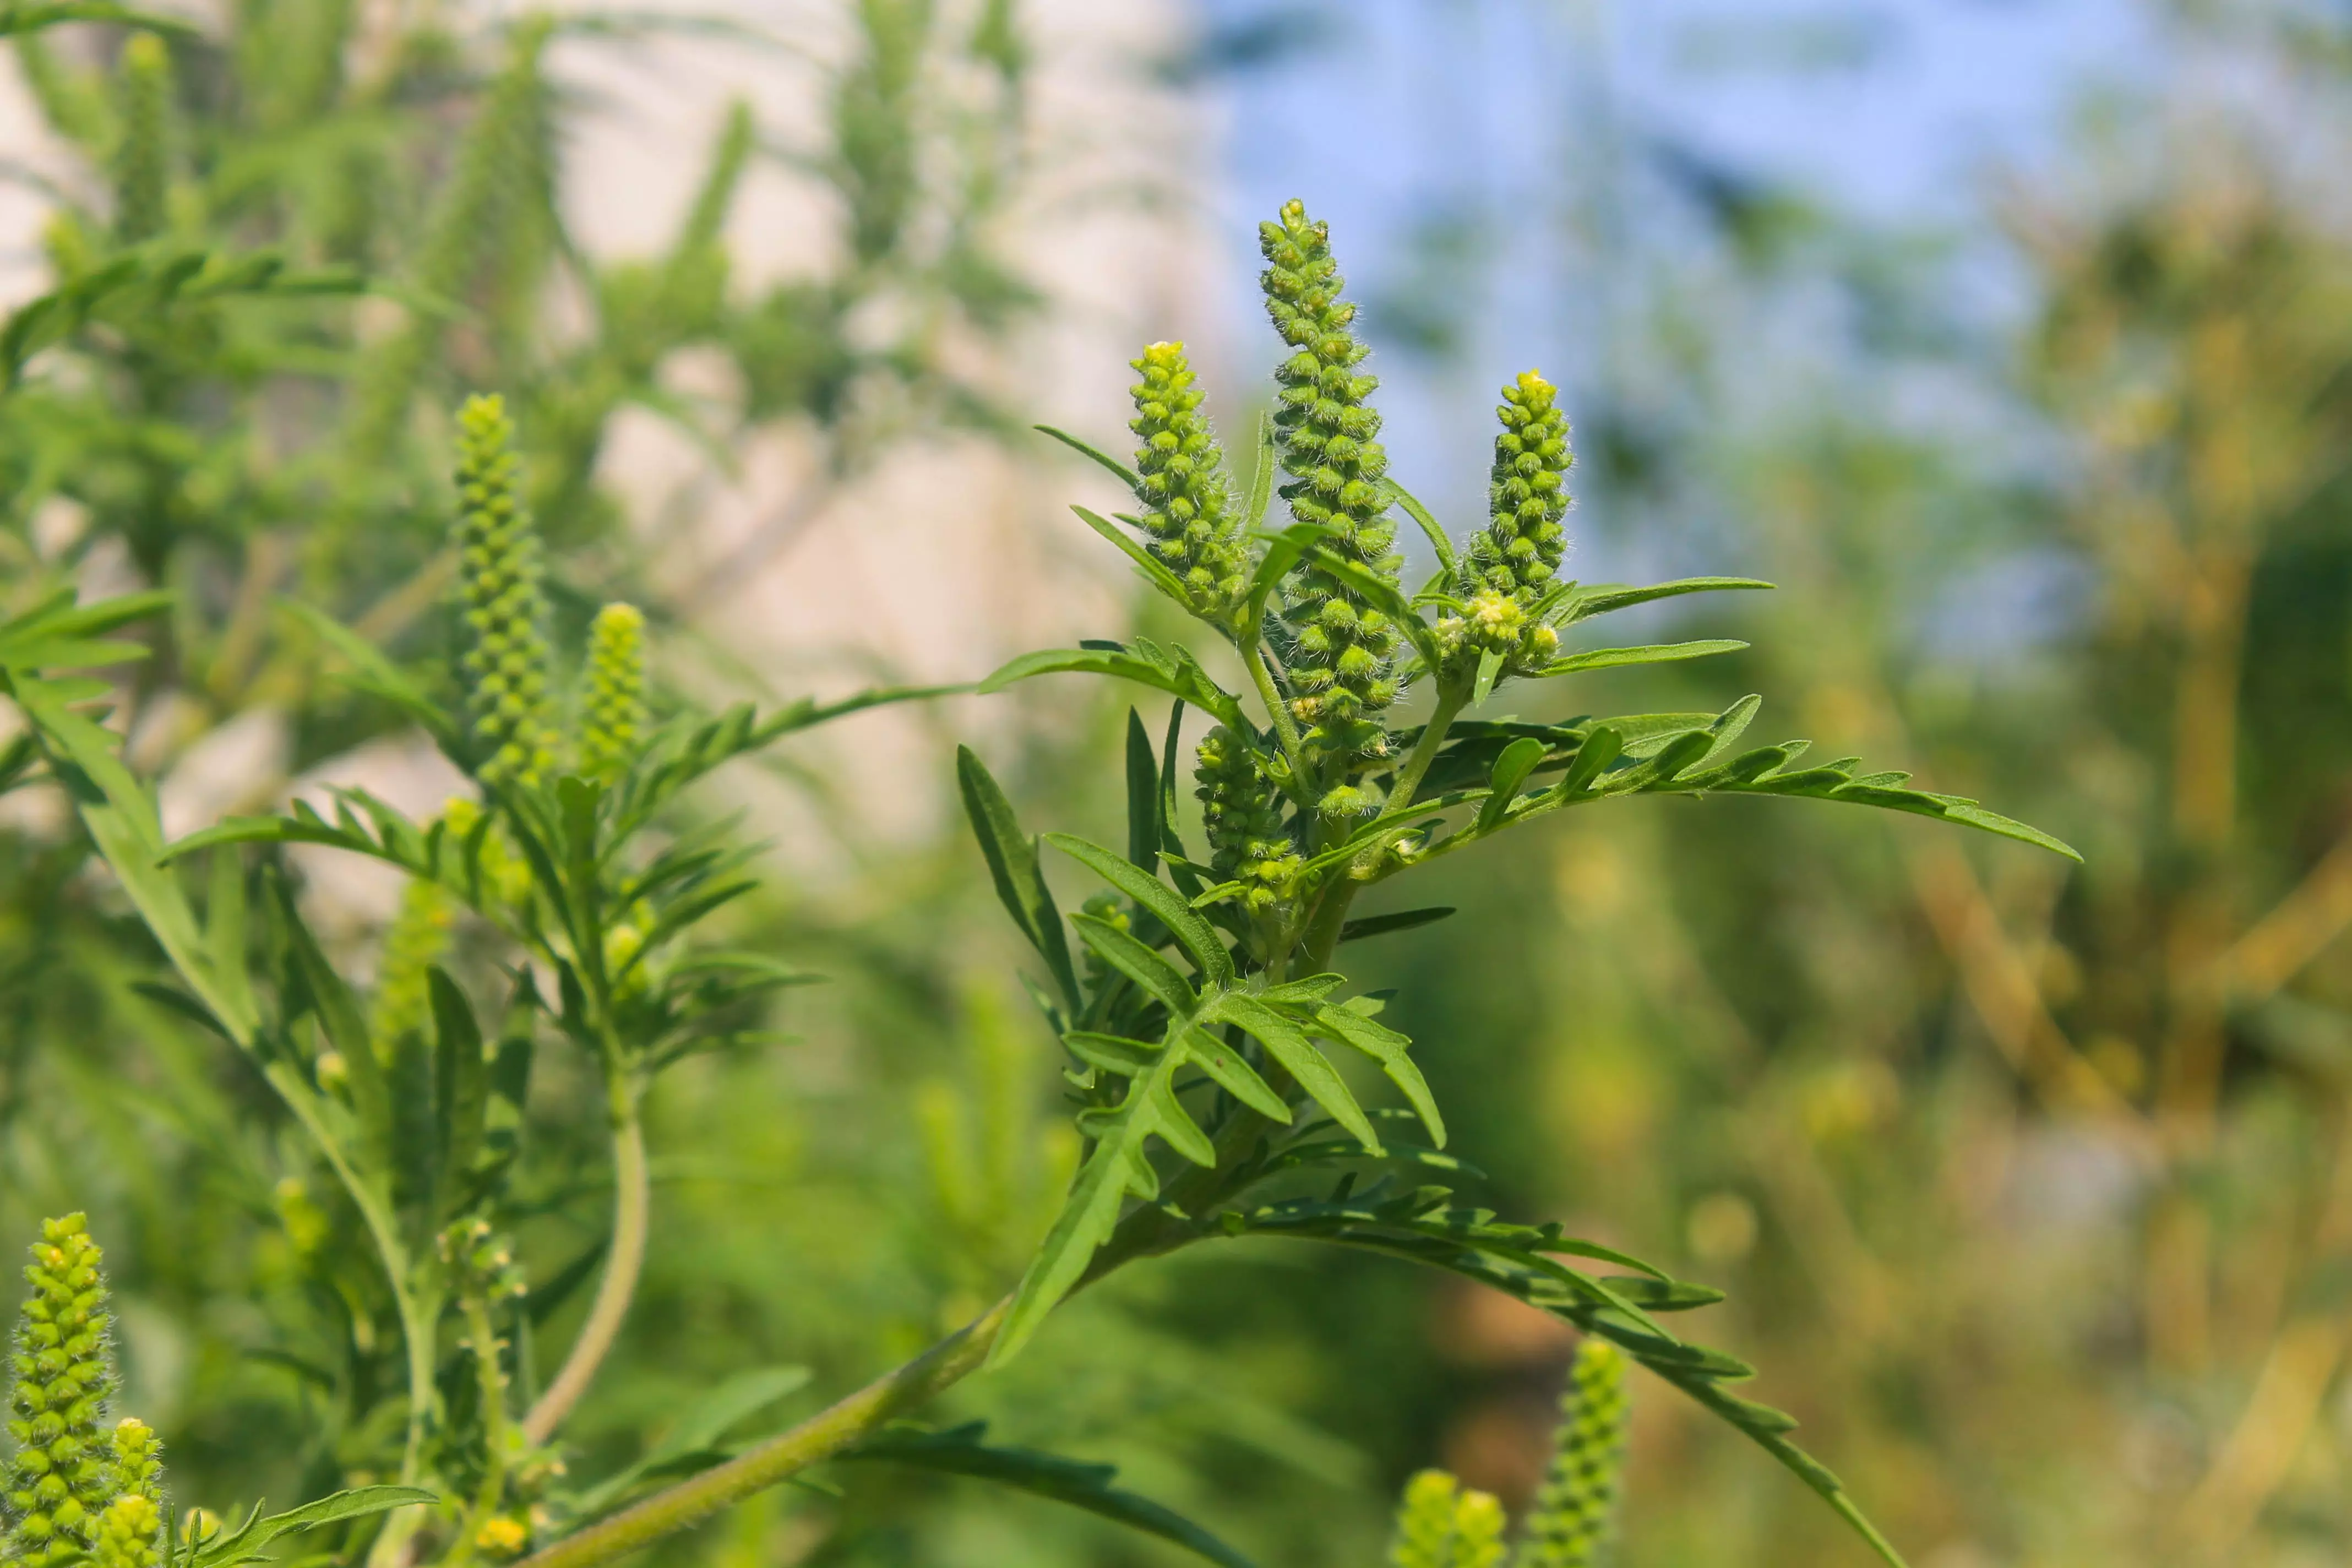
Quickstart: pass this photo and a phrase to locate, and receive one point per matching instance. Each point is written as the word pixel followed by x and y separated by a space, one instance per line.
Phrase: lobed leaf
pixel 1197 936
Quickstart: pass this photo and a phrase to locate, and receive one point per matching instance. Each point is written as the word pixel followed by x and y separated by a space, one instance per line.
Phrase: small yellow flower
pixel 501 1536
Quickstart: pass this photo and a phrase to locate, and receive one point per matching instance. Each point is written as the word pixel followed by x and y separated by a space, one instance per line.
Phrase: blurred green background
pixel 2014 341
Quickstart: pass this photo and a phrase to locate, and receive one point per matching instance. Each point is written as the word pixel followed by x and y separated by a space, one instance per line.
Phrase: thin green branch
pixel 820 1438
pixel 632 1214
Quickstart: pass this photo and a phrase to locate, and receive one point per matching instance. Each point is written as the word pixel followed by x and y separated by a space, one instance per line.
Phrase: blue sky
pixel 1403 118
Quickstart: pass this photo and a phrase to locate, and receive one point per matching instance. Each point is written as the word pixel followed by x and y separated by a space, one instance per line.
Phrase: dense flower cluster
pixel 1573 1517
pixel 505 661
pixel 1187 499
pixel 1345 654
pixel 61 1477
pixel 1443 1524
pixel 613 712
pixel 1243 821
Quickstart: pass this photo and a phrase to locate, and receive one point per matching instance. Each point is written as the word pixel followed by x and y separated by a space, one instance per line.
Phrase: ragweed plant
pixel 1209 1030
pixel 1202 1032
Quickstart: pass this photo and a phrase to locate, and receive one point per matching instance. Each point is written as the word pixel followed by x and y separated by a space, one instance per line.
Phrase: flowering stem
pixel 484 1334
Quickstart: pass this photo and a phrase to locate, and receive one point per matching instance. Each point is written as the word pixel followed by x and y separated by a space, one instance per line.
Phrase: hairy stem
pixel 813 1441
pixel 1286 730
pixel 1450 703
pixel 632 1211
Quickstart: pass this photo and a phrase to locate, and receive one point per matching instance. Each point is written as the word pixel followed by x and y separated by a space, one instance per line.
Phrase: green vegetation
pixel 554 1215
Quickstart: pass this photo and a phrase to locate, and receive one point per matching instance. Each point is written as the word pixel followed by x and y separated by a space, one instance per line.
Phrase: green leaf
pixel 121 817
pixel 1143 841
pixel 1403 920
pixel 1155 976
pixel 1600 598
pixel 1126 475
pixel 1235 1077
pixel 1175 678
pixel 1261 493
pixel 1113 1054
pixel 1511 770
pixel 1470 1243
pixel 1389 1048
pixel 26 15
pixel 960 1451
pixel 1119 1165
pixel 1430 527
pixel 461 1083
pixel 1013 864
pixel 1283 552
pixel 1151 565
pixel 330 1000
pixel 1659 653
pixel 1761 772
pixel 1197 936
pixel 1601 748
pixel 1288 1044
pixel 374 673
pixel 244 1543
pixel 1490 667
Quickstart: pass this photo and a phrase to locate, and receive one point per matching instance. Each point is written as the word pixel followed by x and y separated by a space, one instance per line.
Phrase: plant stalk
pixel 632 1214
pixel 814 1440
pixel 1450 703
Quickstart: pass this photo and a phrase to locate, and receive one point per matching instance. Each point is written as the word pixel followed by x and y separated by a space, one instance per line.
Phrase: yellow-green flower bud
pixel 1247 842
pixel 130 1534
pixel 1441 1523
pixel 1343 652
pixel 1187 499
pixel 142 159
pixel 60 1478
pixel 138 1460
pixel 612 728
pixel 505 663
pixel 1519 551
pixel 1574 1512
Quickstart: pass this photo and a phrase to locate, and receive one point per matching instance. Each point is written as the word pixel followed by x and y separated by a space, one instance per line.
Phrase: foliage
pixel 1200 1025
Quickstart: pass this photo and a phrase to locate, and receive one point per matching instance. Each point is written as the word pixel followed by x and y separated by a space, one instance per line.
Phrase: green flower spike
pixel 1187 499
pixel 131 1529
pixel 1574 1515
pixel 1441 1523
pixel 1246 840
pixel 61 1477
pixel 505 662
pixel 1345 652
pixel 416 940
pixel 142 162
pixel 616 716
pixel 1512 562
